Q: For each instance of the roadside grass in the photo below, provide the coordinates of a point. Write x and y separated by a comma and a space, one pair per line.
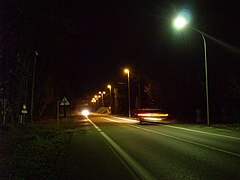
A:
232, 127
33, 151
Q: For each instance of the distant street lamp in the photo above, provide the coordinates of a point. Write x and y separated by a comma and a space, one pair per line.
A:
110, 91
97, 102
102, 93
179, 23
126, 71
94, 101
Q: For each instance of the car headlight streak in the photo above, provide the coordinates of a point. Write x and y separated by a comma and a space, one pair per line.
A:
152, 115
85, 112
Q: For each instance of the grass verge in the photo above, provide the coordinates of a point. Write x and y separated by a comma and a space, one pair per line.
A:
33, 151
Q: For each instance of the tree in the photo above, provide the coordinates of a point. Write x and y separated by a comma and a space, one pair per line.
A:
154, 93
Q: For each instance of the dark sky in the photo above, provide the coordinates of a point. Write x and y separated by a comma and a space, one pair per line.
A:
88, 43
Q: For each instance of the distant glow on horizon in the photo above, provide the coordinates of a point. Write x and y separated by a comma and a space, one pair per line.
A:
85, 112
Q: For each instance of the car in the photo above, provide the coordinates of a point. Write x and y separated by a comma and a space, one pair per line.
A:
153, 116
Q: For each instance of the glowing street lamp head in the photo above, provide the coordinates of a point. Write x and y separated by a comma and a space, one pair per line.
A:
109, 86
180, 22
100, 92
126, 71
183, 18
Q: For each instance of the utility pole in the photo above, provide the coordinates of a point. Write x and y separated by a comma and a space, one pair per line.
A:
33, 85
3, 88
58, 104
139, 93
4, 107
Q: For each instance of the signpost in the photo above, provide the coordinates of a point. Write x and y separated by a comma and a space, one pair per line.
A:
64, 102
24, 112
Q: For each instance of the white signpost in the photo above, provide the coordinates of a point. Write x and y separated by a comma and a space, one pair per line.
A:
64, 102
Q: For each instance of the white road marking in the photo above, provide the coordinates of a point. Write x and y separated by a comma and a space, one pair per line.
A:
132, 163
184, 140
203, 132
197, 131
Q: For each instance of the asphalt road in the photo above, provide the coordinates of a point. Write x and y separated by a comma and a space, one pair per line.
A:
106, 147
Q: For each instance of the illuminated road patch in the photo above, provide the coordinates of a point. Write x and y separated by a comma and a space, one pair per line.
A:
139, 171
122, 120
188, 141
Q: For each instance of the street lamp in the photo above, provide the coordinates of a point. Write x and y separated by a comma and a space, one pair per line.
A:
97, 100
33, 86
94, 101
110, 89
179, 23
102, 93
126, 71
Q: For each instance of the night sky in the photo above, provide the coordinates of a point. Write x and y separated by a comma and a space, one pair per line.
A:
86, 44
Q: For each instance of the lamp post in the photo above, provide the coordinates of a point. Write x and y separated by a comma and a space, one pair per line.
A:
179, 23
126, 71
97, 100
110, 91
94, 101
33, 86
102, 93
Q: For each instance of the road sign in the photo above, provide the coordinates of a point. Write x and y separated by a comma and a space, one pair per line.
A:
64, 102
24, 111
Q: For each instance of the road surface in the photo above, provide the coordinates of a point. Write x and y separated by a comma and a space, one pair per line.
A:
106, 147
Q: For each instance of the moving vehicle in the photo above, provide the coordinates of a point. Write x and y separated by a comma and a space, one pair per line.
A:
153, 115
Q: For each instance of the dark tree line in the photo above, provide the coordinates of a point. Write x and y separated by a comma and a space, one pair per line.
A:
48, 28
23, 32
